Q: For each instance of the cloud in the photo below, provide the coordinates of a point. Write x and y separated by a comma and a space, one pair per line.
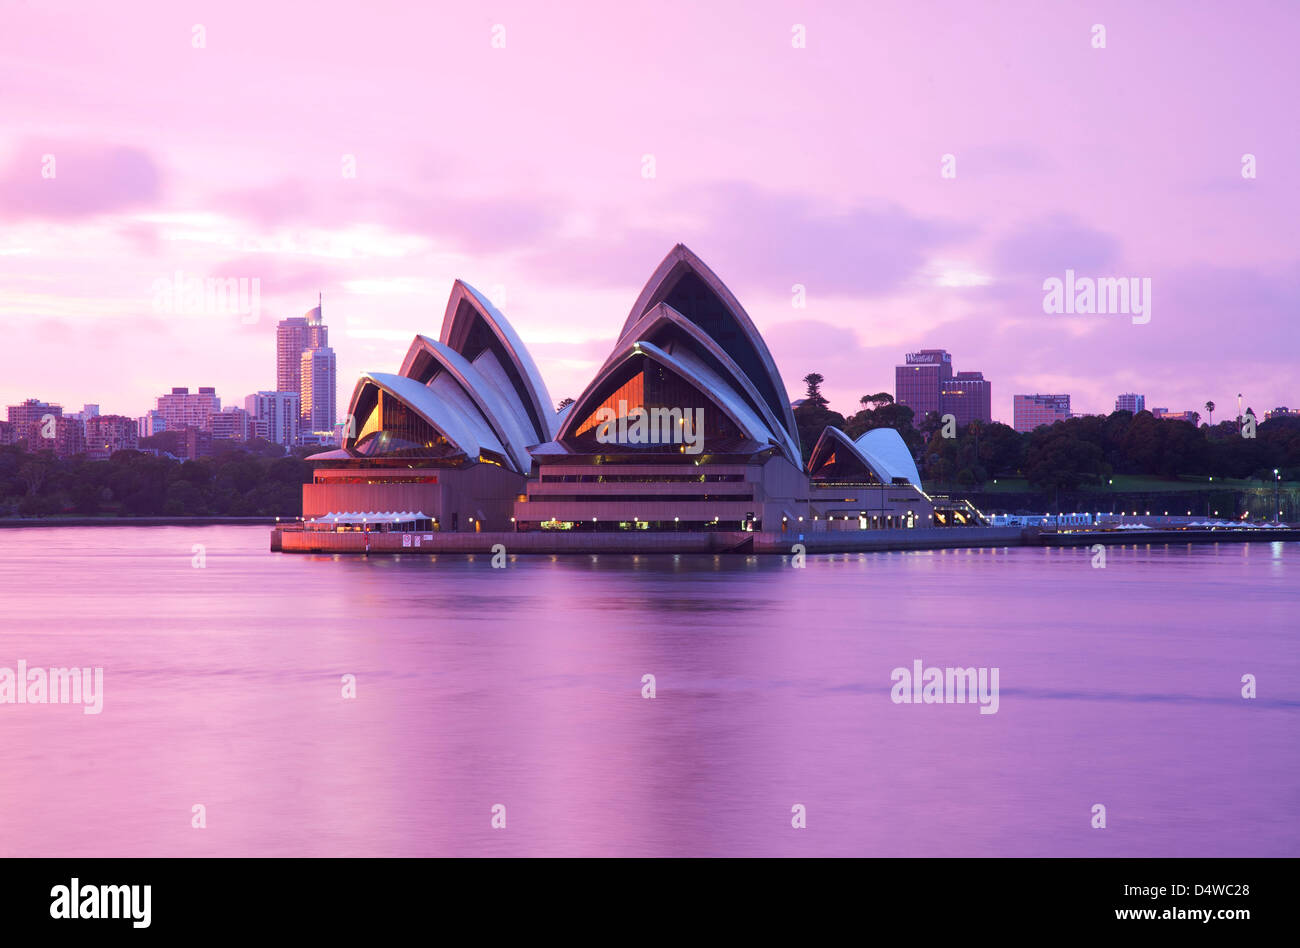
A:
471, 223
1048, 246
64, 180
986, 161
754, 235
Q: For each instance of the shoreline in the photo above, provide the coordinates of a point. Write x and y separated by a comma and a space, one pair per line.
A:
744, 543
136, 522
771, 543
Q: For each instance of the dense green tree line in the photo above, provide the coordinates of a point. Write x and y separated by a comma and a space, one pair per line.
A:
1070, 453
235, 483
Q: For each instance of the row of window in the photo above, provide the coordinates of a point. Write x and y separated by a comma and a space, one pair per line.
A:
638, 498
642, 478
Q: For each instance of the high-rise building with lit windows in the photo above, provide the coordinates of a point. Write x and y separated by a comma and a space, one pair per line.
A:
926, 383
317, 392
968, 397
304, 363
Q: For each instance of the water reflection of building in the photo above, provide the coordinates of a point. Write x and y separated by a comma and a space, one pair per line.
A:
465, 432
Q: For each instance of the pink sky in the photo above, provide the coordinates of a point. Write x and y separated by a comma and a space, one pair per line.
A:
519, 169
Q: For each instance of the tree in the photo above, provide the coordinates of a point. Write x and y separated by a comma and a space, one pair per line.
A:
1059, 460
1209, 408
564, 403
876, 400
931, 424
813, 416
814, 391
35, 471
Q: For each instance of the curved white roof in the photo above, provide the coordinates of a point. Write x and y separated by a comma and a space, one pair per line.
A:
496, 400
445, 406
467, 306
881, 456
691, 368
886, 450
663, 319
740, 345
832, 439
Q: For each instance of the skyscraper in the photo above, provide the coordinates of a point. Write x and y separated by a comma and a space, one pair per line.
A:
292, 337
1030, 411
304, 363
318, 334
919, 383
1130, 402
317, 393
969, 397
926, 383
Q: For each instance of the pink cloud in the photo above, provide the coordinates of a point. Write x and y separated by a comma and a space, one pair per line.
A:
63, 180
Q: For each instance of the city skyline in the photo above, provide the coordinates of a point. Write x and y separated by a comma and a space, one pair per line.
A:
1159, 411
1124, 161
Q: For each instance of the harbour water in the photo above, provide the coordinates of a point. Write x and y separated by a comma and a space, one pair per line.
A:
223, 668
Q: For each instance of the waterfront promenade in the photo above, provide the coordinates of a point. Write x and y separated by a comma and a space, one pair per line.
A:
291, 539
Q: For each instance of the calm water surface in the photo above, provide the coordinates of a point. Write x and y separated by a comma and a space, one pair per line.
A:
478, 686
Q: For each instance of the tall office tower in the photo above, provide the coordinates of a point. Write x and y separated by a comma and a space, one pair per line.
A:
926, 383
969, 397
274, 416
185, 409
1131, 402
293, 336
318, 336
1030, 411
290, 341
317, 393
920, 382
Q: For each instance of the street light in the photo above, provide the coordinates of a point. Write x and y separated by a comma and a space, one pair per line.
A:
1277, 486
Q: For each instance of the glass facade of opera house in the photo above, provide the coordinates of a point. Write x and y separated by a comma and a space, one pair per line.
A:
686, 427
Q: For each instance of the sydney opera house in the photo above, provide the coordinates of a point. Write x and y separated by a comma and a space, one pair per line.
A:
685, 429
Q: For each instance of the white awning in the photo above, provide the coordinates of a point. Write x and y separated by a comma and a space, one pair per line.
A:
403, 516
